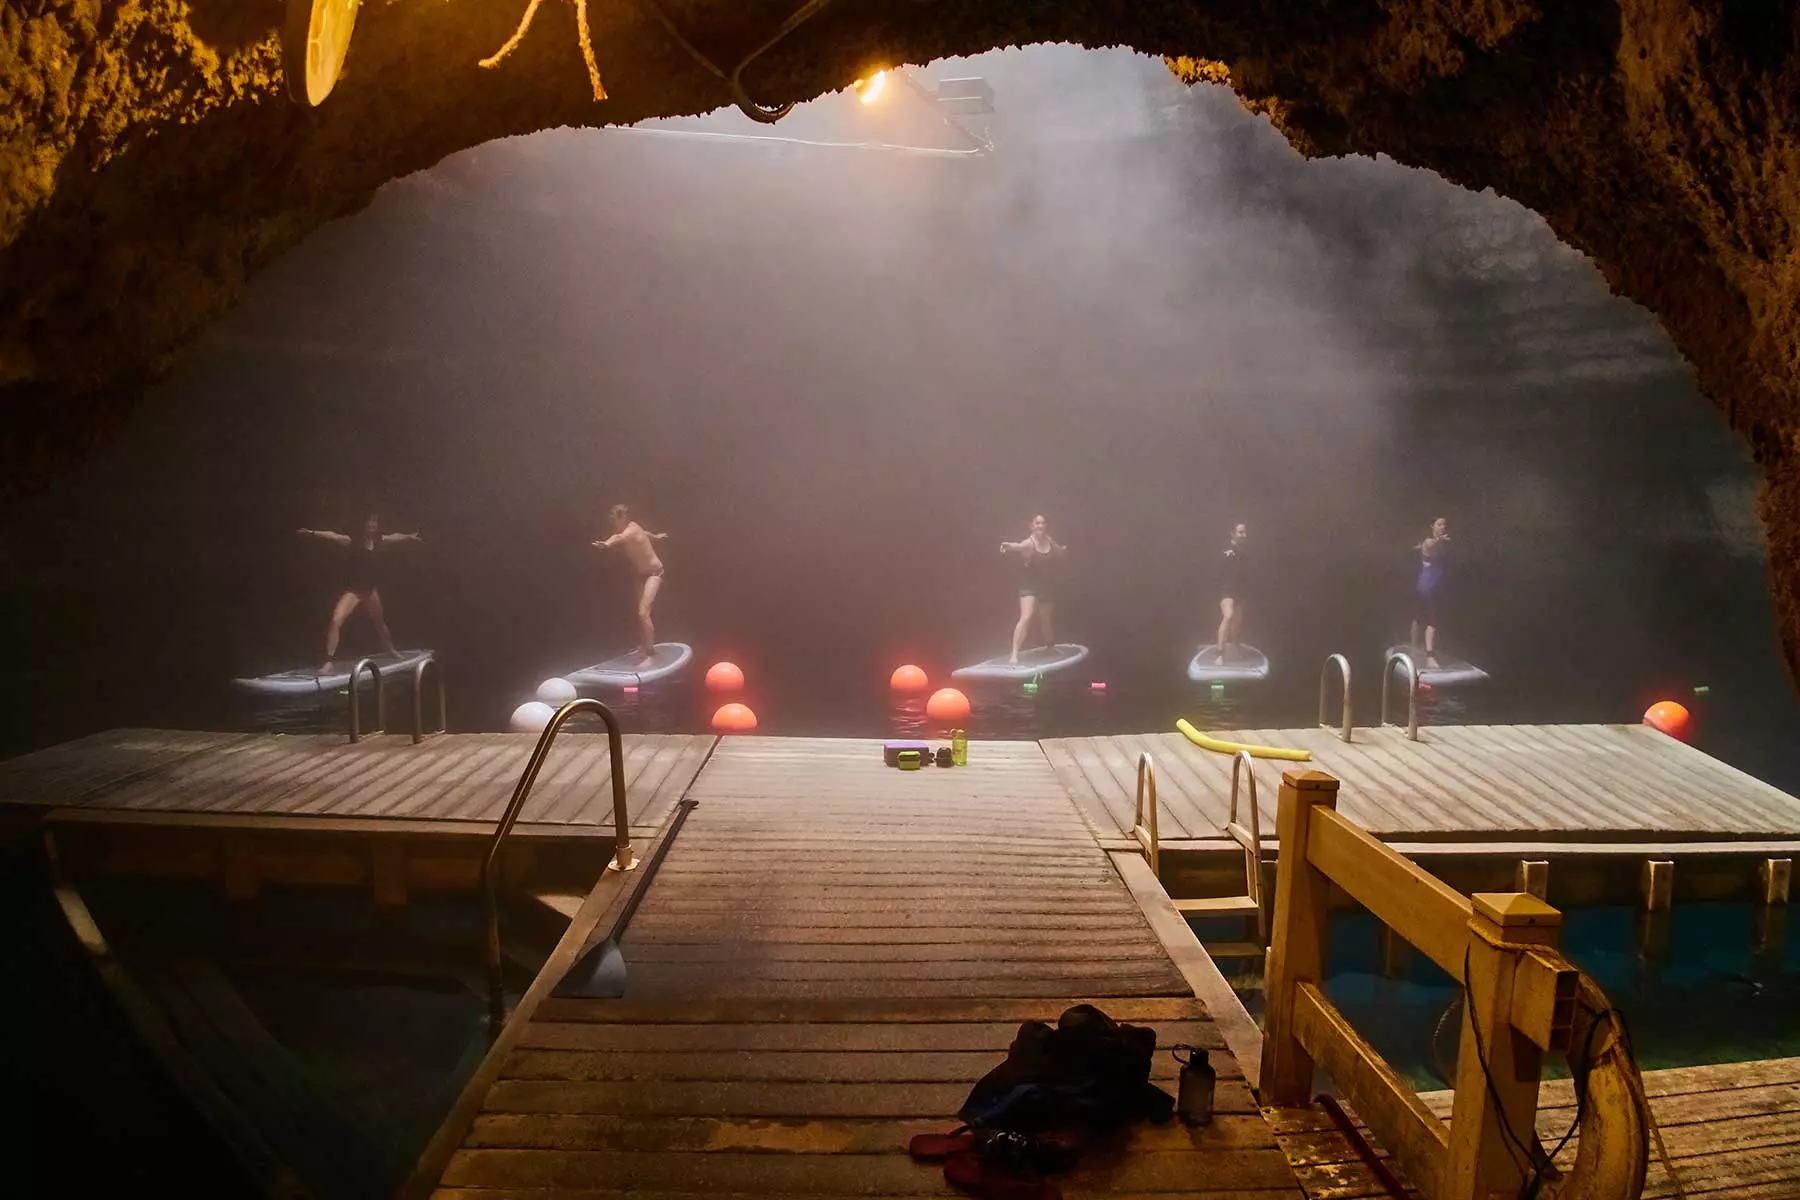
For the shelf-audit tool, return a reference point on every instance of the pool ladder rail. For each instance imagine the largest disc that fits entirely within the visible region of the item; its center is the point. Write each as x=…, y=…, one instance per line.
x=1248, y=905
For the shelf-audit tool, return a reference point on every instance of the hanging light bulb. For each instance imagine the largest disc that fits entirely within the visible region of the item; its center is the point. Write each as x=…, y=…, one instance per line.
x=868, y=89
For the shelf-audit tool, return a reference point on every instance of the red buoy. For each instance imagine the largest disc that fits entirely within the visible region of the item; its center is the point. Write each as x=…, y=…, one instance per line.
x=1669, y=717
x=734, y=718
x=908, y=678
x=724, y=677
x=947, y=704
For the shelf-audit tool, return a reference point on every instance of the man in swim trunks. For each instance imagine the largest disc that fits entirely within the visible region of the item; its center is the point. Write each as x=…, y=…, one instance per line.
x=361, y=581
x=1428, y=591
x=1233, y=589
x=1037, y=595
x=647, y=567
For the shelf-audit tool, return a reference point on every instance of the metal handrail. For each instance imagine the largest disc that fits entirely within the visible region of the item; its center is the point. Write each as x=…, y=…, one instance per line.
x=623, y=857
x=1250, y=839
x=418, y=698
x=356, y=703
x=1343, y=665
x=1146, y=835
x=1402, y=658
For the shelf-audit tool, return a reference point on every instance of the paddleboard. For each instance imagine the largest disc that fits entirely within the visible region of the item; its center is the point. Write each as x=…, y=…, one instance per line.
x=303, y=680
x=1243, y=662
x=1450, y=671
x=633, y=669
x=1042, y=661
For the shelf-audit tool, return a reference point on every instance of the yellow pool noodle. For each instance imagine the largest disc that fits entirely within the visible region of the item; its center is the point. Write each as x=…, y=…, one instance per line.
x=1212, y=743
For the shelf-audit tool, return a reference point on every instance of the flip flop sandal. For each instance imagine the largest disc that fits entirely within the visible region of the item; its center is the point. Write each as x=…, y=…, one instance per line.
x=936, y=1147
x=988, y=1181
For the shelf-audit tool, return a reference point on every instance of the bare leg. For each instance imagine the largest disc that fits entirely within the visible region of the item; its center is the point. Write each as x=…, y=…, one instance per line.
x=1431, y=645
x=1413, y=638
x=340, y=612
x=648, y=587
x=1227, y=609
x=1046, y=612
x=380, y=620
x=1027, y=608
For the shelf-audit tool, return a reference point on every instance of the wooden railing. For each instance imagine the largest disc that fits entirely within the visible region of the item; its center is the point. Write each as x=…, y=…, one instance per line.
x=1520, y=998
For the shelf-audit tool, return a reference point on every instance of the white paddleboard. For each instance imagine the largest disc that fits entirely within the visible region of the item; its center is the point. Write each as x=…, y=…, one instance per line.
x=1450, y=671
x=304, y=680
x=1243, y=661
x=633, y=669
x=1042, y=661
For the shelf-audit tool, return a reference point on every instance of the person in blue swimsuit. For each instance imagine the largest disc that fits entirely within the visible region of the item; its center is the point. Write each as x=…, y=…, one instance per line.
x=1036, y=555
x=360, y=580
x=1428, y=591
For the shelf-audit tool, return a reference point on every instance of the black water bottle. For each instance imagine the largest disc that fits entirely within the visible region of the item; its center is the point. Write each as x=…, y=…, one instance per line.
x=1194, y=1095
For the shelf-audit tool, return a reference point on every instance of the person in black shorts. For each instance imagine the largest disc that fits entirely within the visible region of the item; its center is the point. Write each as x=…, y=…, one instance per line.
x=1036, y=555
x=360, y=580
x=1233, y=588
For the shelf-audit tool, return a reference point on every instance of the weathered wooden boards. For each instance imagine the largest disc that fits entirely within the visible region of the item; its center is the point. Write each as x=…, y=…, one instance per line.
x=1524, y=782
x=1732, y=1130
x=452, y=777
x=811, y=871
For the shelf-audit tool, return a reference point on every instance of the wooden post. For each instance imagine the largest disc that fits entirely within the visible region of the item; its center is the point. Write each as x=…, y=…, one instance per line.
x=1483, y=1161
x=1396, y=954
x=1773, y=876
x=1302, y=896
x=1658, y=884
x=1533, y=878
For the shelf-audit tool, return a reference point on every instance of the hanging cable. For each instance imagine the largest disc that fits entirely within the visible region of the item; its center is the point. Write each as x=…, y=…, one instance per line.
x=733, y=79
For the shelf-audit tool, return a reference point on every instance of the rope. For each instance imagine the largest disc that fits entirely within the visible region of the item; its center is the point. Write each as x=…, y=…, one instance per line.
x=733, y=80
x=581, y=29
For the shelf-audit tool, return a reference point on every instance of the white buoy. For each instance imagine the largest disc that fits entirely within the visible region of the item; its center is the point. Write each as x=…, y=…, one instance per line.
x=556, y=692
x=531, y=717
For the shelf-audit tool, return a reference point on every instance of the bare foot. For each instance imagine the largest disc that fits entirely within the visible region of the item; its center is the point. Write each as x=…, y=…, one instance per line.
x=1431, y=664
x=324, y=668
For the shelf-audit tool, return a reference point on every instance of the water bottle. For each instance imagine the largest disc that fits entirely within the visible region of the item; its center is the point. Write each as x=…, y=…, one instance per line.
x=959, y=747
x=1194, y=1095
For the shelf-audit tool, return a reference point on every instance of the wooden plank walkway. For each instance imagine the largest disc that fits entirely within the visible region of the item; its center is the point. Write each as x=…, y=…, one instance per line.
x=465, y=776
x=831, y=955
x=1460, y=782
x=1732, y=1130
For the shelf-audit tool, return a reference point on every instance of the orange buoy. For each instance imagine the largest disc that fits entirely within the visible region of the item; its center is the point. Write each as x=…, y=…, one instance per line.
x=734, y=718
x=908, y=678
x=724, y=677
x=947, y=704
x=1670, y=717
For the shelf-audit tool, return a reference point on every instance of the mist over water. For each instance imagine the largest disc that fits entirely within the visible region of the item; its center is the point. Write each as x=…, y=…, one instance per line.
x=838, y=377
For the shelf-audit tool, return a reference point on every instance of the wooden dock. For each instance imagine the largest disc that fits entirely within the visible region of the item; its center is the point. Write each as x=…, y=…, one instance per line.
x=833, y=953
x=1732, y=1130
x=1457, y=783
x=453, y=777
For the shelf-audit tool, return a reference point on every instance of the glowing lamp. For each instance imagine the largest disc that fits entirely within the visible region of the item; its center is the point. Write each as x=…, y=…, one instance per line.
x=1670, y=718
x=947, y=704
x=867, y=90
x=908, y=678
x=556, y=692
x=531, y=717
x=734, y=718
x=724, y=677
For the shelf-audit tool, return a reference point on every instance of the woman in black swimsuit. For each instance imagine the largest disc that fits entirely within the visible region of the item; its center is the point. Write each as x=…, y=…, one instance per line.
x=1232, y=590
x=1037, y=593
x=361, y=581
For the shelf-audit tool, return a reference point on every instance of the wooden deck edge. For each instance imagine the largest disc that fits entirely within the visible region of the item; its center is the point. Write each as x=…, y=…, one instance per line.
x=1197, y=967
x=608, y=896
x=302, y=823
x=1507, y=846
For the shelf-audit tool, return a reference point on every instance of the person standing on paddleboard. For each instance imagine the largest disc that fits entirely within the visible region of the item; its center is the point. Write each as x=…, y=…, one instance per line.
x=1233, y=588
x=647, y=567
x=1037, y=592
x=361, y=581
x=1428, y=590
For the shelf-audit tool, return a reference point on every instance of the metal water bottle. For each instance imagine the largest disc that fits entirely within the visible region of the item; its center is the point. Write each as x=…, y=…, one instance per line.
x=1194, y=1095
x=959, y=747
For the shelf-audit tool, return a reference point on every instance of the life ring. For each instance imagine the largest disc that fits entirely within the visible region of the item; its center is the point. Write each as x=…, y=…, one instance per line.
x=1612, y=1154
x=315, y=36
x=1223, y=747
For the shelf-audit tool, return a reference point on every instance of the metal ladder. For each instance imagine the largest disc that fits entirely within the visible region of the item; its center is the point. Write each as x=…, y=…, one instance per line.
x=1249, y=840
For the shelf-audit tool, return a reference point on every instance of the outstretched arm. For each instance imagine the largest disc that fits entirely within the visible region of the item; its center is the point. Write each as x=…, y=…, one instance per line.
x=608, y=543
x=340, y=538
x=656, y=537
x=387, y=538
x=1014, y=547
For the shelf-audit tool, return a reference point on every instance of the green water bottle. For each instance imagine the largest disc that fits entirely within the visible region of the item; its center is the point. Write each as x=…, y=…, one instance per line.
x=959, y=748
